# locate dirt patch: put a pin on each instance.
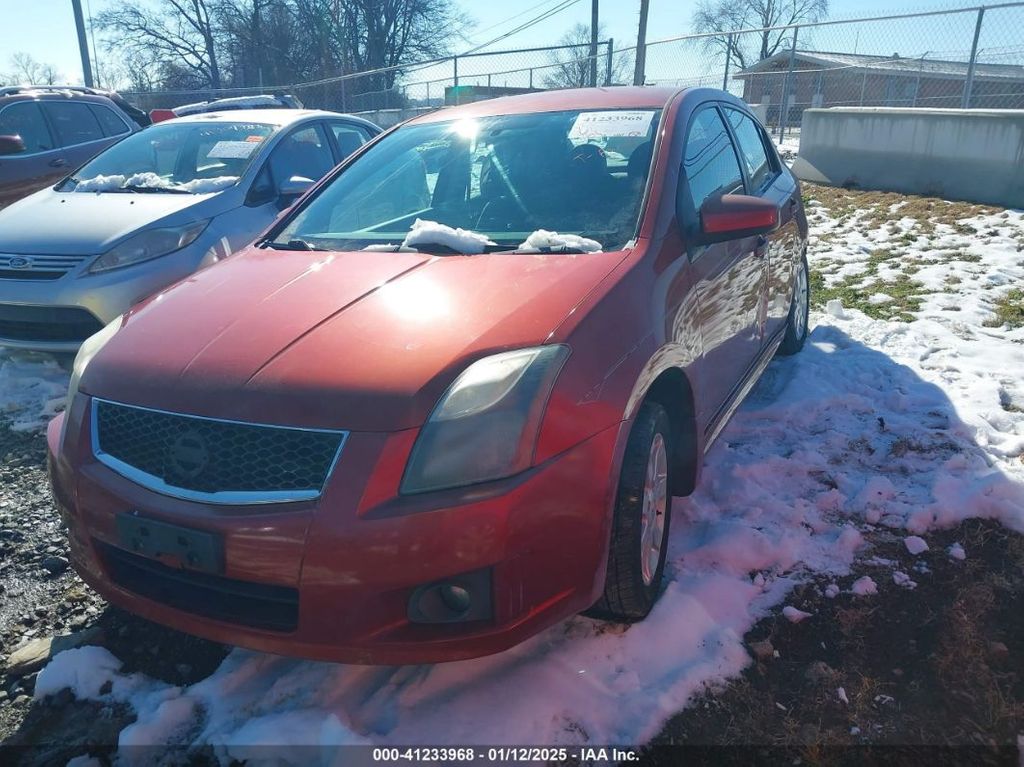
(940, 664)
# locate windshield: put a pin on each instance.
(580, 174)
(173, 157)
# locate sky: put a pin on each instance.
(45, 29)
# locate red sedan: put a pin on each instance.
(445, 401)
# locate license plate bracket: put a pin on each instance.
(172, 545)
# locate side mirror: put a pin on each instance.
(733, 216)
(294, 187)
(11, 145)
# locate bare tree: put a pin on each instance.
(389, 33)
(572, 65)
(724, 16)
(180, 33)
(25, 70)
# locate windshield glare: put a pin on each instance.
(505, 177)
(172, 157)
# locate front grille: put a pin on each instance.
(212, 460)
(36, 267)
(213, 596)
(47, 323)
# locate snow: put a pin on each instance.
(83, 670)
(33, 388)
(956, 551)
(542, 238)
(877, 428)
(151, 180)
(841, 694)
(903, 580)
(432, 233)
(915, 544)
(864, 586)
(793, 615)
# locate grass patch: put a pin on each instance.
(854, 292)
(1009, 310)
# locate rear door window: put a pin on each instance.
(111, 124)
(709, 159)
(348, 138)
(751, 146)
(74, 121)
(25, 119)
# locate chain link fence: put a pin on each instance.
(962, 58)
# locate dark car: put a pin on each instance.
(47, 131)
(439, 406)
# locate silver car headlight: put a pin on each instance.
(89, 348)
(151, 243)
(486, 424)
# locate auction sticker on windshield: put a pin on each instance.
(617, 122)
(231, 150)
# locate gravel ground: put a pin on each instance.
(41, 596)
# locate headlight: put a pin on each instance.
(485, 426)
(85, 354)
(151, 243)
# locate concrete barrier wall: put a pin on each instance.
(959, 154)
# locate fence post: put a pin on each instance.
(608, 63)
(784, 106)
(728, 58)
(531, 78)
(969, 82)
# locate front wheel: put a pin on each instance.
(799, 307)
(640, 523)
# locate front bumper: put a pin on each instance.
(354, 558)
(58, 315)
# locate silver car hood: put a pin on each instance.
(89, 223)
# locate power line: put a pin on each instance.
(525, 25)
(503, 22)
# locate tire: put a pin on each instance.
(796, 323)
(631, 584)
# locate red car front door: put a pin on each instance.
(729, 277)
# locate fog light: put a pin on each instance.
(455, 598)
(465, 597)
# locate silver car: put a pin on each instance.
(152, 209)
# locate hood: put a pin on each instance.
(365, 341)
(89, 223)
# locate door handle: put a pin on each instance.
(761, 249)
(60, 162)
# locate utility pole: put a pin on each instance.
(83, 45)
(593, 43)
(641, 45)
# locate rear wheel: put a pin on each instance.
(640, 523)
(799, 308)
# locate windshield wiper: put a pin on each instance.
(153, 189)
(559, 250)
(292, 245)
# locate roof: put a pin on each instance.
(895, 64)
(614, 97)
(269, 116)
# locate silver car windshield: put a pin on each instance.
(507, 182)
(173, 157)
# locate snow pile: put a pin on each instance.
(542, 238)
(33, 388)
(956, 551)
(864, 586)
(794, 615)
(432, 233)
(915, 544)
(151, 180)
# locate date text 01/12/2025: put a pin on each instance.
(449, 754)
